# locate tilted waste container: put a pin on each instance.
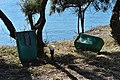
(26, 45)
(88, 42)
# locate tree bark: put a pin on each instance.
(31, 21)
(40, 25)
(115, 22)
(82, 21)
(8, 24)
(40, 44)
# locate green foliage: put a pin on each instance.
(30, 6)
(61, 5)
(53, 6)
(101, 5)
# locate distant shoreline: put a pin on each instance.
(95, 28)
(88, 32)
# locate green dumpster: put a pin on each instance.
(88, 42)
(26, 45)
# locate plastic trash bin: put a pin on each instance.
(26, 45)
(88, 42)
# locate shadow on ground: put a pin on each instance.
(10, 67)
(98, 67)
(107, 64)
(13, 72)
(87, 65)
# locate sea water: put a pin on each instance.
(58, 26)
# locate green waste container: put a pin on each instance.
(26, 45)
(88, 42)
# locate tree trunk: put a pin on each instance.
(115, 22)
(40, 25)
(78, 24)
(8, 24)
(31, 21)
(82, 21)
(40, 44)
(81, 16)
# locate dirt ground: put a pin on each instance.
(68, 63)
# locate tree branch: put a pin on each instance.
(8, 24)
(72, 5)
(86, 6)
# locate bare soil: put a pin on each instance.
(68, 63)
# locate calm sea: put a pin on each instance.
(58, 26)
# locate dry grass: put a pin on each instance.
(69, 64)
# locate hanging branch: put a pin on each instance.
(67, 6)
(8, 24)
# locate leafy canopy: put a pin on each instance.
(30, 6)
(61, 5)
